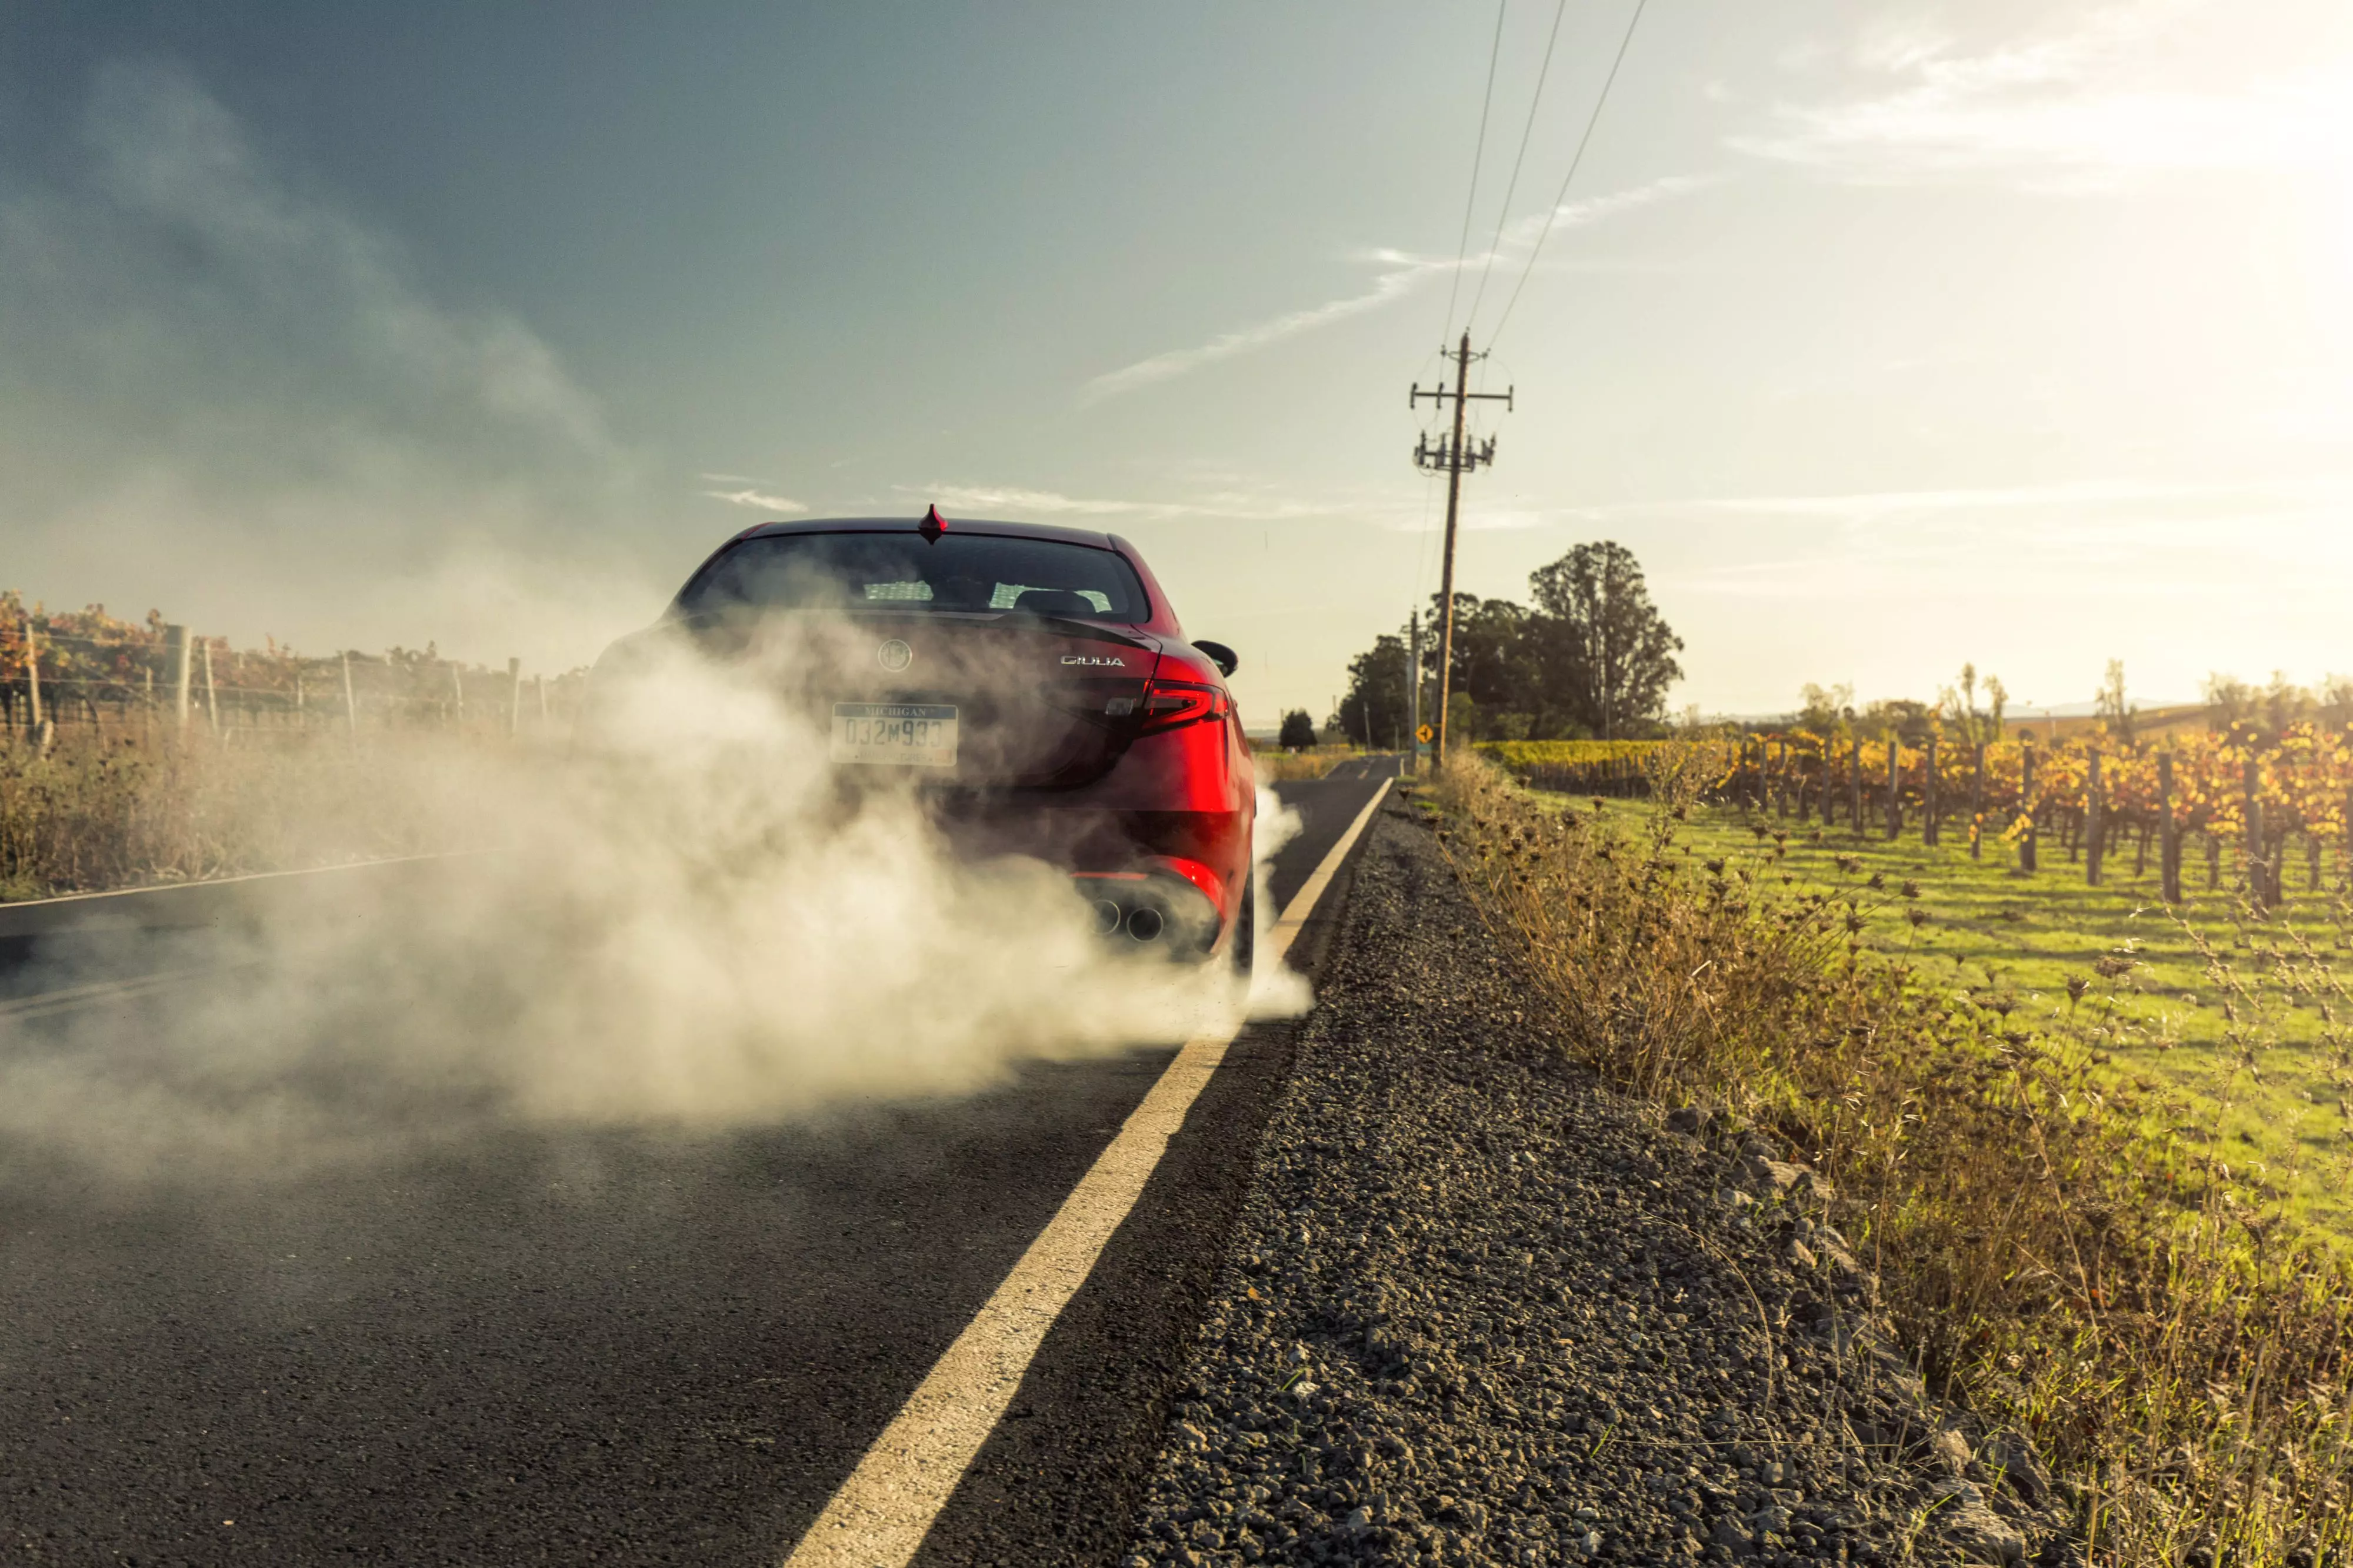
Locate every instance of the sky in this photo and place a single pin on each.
(1886, 336)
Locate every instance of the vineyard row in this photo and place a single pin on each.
(2265, 795)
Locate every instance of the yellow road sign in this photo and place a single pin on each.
(1425, 734)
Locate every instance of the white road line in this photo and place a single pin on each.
(46, 1003)
(884, 1511)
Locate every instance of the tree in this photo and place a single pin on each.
(1594, 658)
(1373, 712)
(2111, 705)
(1825, 707)
(1613, 653)
(1493, 665)
(1298, 730)
(1958, 706)
(2229, 700)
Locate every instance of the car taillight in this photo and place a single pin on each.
(1171, 704)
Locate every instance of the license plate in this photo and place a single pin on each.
(911, 734)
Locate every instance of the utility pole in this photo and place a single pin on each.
(1457, 457)
(1413, 690)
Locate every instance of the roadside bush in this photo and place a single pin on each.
(96, 812)
(2065, 1259)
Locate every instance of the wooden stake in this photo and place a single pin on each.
(1929, 796)
(2026, 805)
(2257, 882)
(2092, 825)
(1976, 805)
(33, 676)
(176, 660)
(1895, 783)
(212, 705)
(2168, 844)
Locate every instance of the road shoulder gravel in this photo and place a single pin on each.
(1477, 1308)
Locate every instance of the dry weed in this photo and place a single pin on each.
(2065, 1259)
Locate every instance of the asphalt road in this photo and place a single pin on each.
(524, 1346)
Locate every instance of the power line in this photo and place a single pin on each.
(1478, 156)
(1513, 186)
(1554, 211)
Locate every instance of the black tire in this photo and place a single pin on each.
(1242, 952)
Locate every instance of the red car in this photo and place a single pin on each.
(1035, 685)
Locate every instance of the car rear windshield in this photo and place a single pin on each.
(968, 572)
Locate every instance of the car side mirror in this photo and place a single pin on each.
(1225, 659)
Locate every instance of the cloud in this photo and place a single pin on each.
(758, 501)
(2114, 94)
(1233, 505)
(1406, 274)
(2076, 497)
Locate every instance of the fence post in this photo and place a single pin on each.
(351, 703)
(2258, 883)
(1895, 782)
(457, 690)
(514, 696)
(1854, 785)
(2169, 848)
(33, 678)
(1929, 796)
(2026, 805)
(176, 662)
(212, 705)
(2092, 824)
(1977, 803)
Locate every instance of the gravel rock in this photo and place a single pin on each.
(1481, 1309)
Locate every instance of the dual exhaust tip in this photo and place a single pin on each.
(1142, 923)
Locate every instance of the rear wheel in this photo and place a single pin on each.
(1242, 952)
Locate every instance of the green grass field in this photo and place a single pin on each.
(2263, 1080)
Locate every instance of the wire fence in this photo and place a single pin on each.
(90, 670)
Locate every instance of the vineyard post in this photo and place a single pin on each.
(1854, 785)
(539, 689)
(33, 678)
(2169, 848)
(147, 708)
(175, 653)
(1976, 805)
(514, 696)
(1929, 796)
(1781, 782)
(212, 703)
(2257, 882)
(2092, 823)
(1894, 801)
(457, 694)
(351, 703)
(2026, 805)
